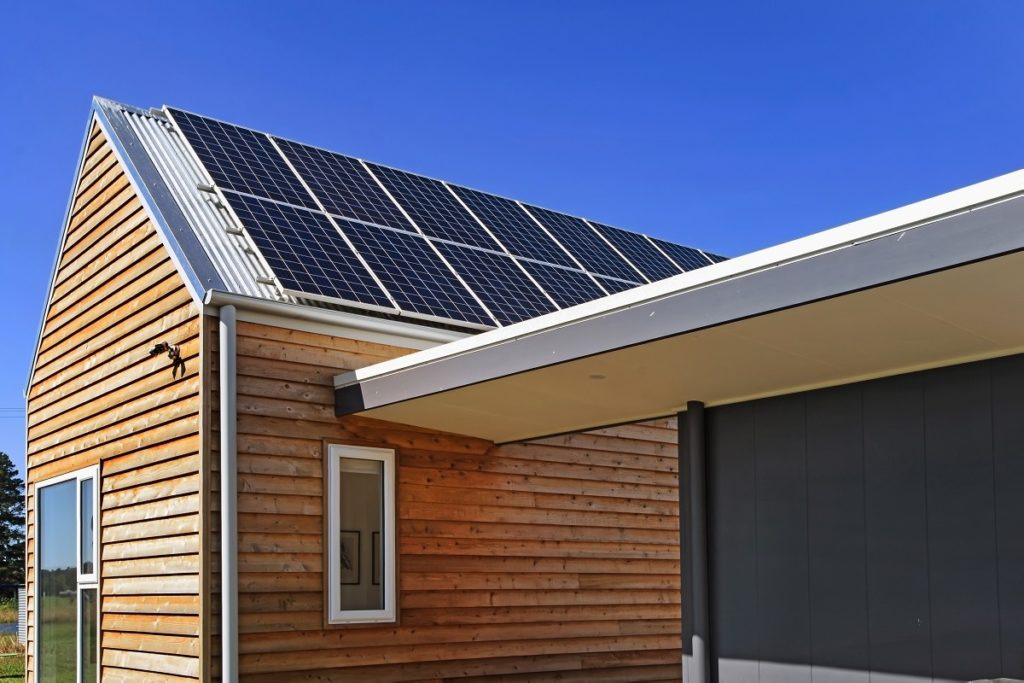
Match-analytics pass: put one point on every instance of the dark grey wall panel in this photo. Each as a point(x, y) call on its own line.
point(836, 529)
point(783, 603)
point(961, 523)
point(1008, 450)
point(876, 527)
point(897, 527)
point(732, 537)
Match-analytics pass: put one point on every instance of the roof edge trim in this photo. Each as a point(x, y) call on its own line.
point(896, 224)
point(189, 256)
point(973, 230)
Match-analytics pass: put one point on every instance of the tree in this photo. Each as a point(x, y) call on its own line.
point(12, 522)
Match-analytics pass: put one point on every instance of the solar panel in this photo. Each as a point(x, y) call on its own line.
point(566, 287)
point(513, 228)
point(415, 276)
point(504, 289)
point(306, 252)
point(241, 159)
point(685, 257)
point(280, 189)
point(343, 185)
point(615, 286)
point(588, 248)
point(715, 258)
point(434, 209)
point(640, 252)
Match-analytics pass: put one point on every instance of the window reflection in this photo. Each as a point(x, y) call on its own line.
point(58, 583)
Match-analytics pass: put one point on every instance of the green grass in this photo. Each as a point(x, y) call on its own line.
point(9, 644)
point(8, 610)
point(12, 668)
point(12, 653)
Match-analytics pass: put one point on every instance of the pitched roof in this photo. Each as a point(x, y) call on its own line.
point(226, 213)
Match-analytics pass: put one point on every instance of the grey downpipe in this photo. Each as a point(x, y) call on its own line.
point(700, 665)
point(228, 500)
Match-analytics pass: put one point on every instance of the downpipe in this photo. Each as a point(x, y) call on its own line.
point(228, 497)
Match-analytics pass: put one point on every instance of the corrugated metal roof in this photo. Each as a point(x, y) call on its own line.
point(238, 264)
point(206, 239)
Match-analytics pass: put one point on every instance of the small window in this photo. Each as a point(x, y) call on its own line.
point(360, 534)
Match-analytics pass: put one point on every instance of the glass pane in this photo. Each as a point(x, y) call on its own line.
point(88, 628)
point(88, 525)
point(58, 582)
point(361, 498)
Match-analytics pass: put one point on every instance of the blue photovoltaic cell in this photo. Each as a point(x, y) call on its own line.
point(415, 276)
point(513, 228)
point(499, 283)
point(566, 287)
point(685, 257)
point(585, 244)
point(305, 251)
point(616, 286)
point(241, 159)
point(715, 258)
point(343, 185)
point(309, 256)
point(641, 252)
point(434, 209)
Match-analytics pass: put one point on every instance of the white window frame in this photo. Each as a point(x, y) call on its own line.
point(84, 580)
point(335, 614)
point(84, 475)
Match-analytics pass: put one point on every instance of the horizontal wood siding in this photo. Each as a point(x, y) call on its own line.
point(97, 396)
point(554, 559)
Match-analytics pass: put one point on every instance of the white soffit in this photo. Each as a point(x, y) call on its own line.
point(946, 287)
point(924, 322)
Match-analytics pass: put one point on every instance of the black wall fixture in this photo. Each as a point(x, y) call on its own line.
point(174, 354)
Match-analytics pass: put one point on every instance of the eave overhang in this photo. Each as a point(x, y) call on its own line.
point(930, 284)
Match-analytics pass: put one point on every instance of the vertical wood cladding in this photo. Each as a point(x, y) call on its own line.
point(554, 559)
point(872, 530)
point(98, 397)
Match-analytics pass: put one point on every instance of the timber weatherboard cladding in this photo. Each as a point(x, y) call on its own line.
point(554, 558)
point(97, 397)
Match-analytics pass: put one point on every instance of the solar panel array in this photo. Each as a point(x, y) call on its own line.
point(342, 230)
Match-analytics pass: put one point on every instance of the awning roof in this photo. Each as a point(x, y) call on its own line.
point(930, 284)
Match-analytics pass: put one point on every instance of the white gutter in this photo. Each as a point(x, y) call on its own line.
point(874, 227)
point(228, 499)
point(384, 331)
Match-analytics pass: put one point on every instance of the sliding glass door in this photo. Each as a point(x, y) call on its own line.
point(66, 579)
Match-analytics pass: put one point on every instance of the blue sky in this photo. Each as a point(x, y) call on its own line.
point(728, 126)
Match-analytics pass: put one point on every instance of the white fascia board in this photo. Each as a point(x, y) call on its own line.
point(874, 227)
point(189, 258)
